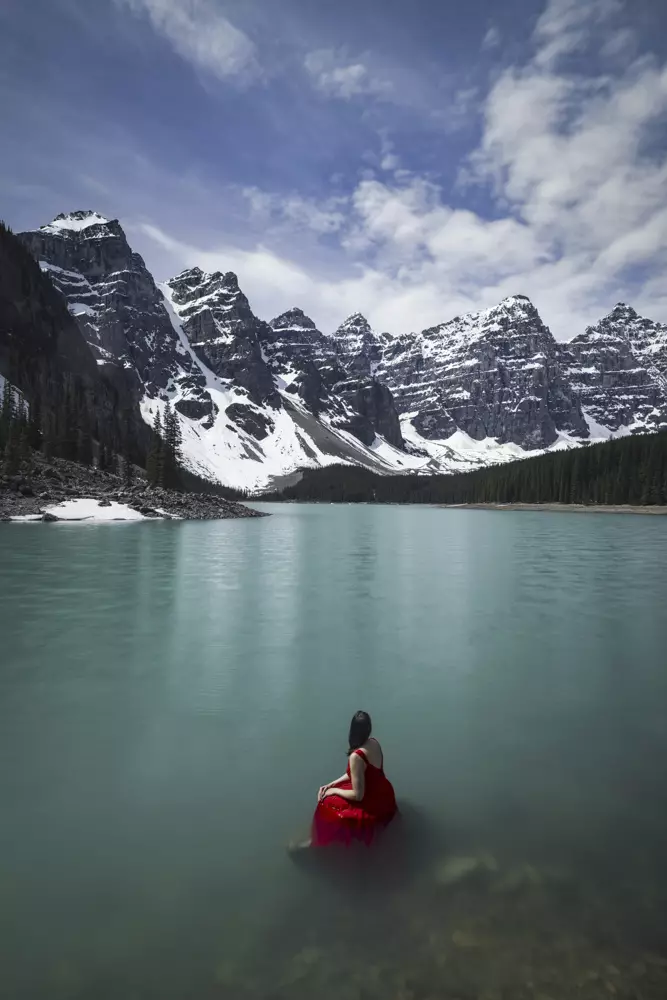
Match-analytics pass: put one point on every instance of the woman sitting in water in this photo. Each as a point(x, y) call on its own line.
point(359, 803)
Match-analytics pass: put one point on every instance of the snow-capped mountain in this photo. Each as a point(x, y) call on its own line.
point(618, 368)
point(258, 401)
point(308, 363)
point(358, 347)
point(116, 303)
point(493, 374)
point(195, 341)
point(222, 330)
point(291, 396)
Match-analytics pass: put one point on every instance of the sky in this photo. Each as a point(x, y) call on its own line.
point(411, 161)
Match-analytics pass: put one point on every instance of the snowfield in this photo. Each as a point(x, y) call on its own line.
point(87, 509)
point(226, 453)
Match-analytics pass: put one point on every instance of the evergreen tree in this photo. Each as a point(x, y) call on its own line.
point(155, 460)
point(6, 413)
point(35, 422)
point(12, 454)
point(67, 432)
point(7, 403)
point(172, 449)
point(49, 436)
point(623, 471)
point(85, 448)
point(25, 451)
point(128, 472)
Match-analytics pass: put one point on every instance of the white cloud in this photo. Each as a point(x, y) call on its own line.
point(491, 39)
point(389, 162)
point(569, 154)
point(579, 172)
point(389, 159)
point(200, 34)
point(565, 27)
point(619, 44)
point(334, 75)
point(306, 213)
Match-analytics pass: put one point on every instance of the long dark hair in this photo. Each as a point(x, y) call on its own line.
point(360, 730)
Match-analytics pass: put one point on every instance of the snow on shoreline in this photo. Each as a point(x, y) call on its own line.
point(87, 509)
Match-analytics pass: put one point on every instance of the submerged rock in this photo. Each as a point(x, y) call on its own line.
point(517, 879)
point(454, 870)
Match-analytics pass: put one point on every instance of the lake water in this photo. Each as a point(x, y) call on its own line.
point(173, 694)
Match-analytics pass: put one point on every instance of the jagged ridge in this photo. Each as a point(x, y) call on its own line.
point(259, 400)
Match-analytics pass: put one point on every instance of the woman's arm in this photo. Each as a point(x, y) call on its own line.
point(332, 784)
point(358, 775)
point(338, 781)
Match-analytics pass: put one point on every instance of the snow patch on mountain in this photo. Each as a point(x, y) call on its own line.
point(258, 401)
point(224, 450)
point(75, 222)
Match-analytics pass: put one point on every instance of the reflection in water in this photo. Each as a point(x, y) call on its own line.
point(172, 695)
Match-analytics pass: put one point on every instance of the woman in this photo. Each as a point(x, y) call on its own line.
point(361, 802)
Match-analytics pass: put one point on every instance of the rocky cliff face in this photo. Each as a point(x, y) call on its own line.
point(114, 299)
point(494, 374)
point(358, 347)
point(196, 342)
point(44, 353)
point(619, 370)
point(223, 331)
point(259, 400)
point(331, 385)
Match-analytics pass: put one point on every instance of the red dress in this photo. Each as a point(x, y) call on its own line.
point(340, 820)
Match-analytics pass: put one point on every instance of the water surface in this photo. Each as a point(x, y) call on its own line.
point(173, 694)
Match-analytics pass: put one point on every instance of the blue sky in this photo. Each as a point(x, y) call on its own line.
point(409, 160)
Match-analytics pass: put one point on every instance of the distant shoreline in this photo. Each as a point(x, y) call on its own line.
point(571, 508)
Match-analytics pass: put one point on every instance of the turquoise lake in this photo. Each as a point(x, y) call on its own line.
point(173, 694)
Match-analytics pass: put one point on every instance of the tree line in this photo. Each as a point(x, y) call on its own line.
point(163, 464)
point(68, 428)
point(630, 470)
point(66, 407)
point(18, 433)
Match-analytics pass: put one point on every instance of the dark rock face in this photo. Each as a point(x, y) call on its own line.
point(331, 381)
point(201, 345)
point(490, 374)
point(115, 301)
point(494, 374)
point(194, 407)
point(619, 369)
point(289, 354)
point(303, 359)
point(223, 331)
point(254, 421)
point(43, 350)
point(359, 349)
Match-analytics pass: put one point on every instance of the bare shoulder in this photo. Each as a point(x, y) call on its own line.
point(374, 751)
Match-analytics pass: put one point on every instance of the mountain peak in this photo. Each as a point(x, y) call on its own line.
point(517, 300)
point(623, 310)
point(355, 322)
point(76, 221)
point(292, 317)
point(194, 276)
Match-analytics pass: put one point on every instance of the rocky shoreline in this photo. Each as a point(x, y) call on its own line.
point(50, 483)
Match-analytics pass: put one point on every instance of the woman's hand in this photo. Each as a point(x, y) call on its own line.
point(322, 792)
